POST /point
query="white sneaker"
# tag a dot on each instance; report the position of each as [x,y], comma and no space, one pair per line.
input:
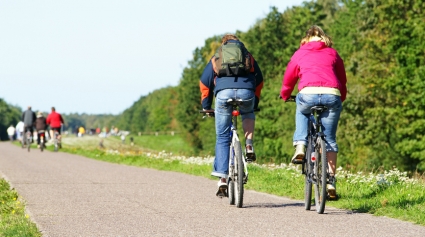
[222,188]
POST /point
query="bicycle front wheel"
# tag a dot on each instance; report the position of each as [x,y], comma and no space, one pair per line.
[307,172]
[239,173]
[320,169]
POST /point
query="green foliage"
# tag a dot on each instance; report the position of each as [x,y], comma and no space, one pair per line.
[13,220]
[151,113]
[9,115]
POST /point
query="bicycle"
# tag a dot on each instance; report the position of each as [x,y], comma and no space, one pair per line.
[27,140]
[238,171]
[315,164]
[42,134]
[56,140]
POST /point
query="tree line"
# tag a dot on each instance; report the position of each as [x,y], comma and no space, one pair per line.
[383,47]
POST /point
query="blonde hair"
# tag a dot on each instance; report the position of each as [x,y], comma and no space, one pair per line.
[316,32]
[228,37]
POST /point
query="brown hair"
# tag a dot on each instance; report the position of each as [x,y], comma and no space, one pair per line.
[228,37]
[316,31]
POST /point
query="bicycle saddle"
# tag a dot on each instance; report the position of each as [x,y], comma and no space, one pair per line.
[319,108]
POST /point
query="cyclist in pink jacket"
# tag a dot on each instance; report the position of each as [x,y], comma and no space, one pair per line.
[322,81]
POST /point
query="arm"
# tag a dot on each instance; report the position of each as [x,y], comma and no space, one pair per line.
[259,82]
[290,78]
[206,86]
[342,77]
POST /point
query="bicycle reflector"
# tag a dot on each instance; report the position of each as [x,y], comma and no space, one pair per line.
[313,156]
[235,113]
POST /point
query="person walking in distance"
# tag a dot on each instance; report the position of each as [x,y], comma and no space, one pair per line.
[242,80]
[322,81]
[11,132]
[28,117]
[55,121]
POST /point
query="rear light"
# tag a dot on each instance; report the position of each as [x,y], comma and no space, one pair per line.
[235,113]
[313,156]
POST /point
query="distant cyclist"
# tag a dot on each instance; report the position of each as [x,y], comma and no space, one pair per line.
[28,117]
[40,126]
[55,121]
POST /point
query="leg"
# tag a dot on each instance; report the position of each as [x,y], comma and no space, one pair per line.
[331,155]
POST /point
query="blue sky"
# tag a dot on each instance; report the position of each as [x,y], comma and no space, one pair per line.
[100,56]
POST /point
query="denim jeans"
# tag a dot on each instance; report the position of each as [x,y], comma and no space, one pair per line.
[329,118]
[223,118]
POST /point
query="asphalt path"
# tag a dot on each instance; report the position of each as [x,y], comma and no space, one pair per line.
[70,195]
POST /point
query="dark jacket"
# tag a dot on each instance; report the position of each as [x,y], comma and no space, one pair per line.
[40,123]
[210,84]
[28,117]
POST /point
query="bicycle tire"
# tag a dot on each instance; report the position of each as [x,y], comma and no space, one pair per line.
[321,175]
[56,144]
[29,143]
[239,189]
[307,172]
[231,180]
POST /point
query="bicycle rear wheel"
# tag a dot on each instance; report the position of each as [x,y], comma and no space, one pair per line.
[239,173]
[307,172]
[320,169]
[231,179]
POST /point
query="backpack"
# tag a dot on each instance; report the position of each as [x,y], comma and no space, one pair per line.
[233,59]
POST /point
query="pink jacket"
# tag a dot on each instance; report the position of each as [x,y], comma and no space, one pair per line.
[315,65]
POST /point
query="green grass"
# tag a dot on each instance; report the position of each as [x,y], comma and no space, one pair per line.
[14,221]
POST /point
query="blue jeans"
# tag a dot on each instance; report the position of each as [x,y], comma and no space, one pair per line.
[223,118]
[329,118]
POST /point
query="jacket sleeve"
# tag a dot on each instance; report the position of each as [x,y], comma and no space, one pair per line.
[290,79]
[61,118]
[206,86]
[259,82]
[342,77]
[23,116]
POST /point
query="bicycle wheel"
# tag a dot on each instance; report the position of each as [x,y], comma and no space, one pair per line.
[231,179]
[320,169]
[239,173]
[56,144]
[28,143]
[307,173]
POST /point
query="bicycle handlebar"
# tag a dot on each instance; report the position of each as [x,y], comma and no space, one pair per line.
[291,98]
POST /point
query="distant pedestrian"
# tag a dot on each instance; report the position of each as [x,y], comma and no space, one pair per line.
[19,130]
[11,132]
[123,138]
[131,141]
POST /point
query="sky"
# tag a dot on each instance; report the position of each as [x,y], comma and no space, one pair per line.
[101,56]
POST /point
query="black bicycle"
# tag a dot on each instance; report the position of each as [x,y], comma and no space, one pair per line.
[315,164]
[238,171]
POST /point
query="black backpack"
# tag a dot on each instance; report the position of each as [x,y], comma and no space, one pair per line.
[232,59]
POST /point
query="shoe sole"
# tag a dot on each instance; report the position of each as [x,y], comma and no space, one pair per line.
[299,159]
[250,157]
[222,191]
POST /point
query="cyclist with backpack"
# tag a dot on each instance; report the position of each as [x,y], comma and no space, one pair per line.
[322,81]
[231,73]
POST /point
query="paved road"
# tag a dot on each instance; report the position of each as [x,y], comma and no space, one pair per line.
[69,195]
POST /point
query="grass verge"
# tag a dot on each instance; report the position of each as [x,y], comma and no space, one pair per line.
[14,221]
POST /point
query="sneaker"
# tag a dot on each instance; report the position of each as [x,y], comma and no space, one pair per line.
[250,154]
[331,191]
[222,188]
[299,154]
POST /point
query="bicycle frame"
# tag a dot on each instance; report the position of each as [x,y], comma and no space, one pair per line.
[235,138]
